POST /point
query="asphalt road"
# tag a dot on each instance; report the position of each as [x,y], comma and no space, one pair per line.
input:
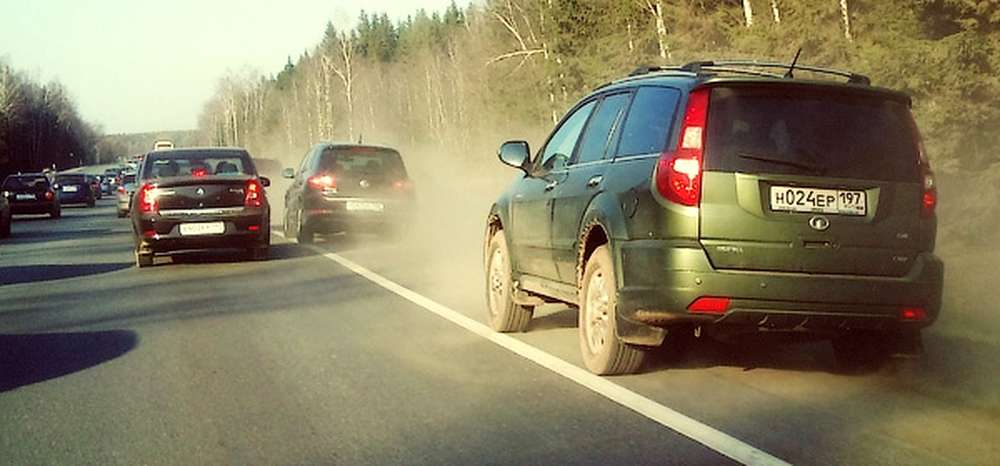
[204,359]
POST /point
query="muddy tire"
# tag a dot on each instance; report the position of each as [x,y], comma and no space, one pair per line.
[143,260]
[303,232]
[603,352]
[504,314]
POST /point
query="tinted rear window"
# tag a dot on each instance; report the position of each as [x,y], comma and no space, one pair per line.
[810,132]
[198,164]
[362,161]
[70,179]
[26,182]
[648,124]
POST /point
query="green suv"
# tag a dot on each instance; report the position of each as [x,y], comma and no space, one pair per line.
[722,198]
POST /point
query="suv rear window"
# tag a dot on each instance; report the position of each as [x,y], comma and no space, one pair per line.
[362,161]
[802,131]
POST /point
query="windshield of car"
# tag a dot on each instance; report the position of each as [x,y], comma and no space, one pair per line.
[362,161]
[197,164]
[786,130]
[28,183]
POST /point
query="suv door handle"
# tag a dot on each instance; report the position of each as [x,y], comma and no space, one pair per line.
[552,185]
[594,181]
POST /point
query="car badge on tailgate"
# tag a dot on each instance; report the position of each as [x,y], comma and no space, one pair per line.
[366,184]
[819,223]
[200,191]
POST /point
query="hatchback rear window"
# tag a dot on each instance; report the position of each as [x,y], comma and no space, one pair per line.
[801,131]
[362,161]
[66,179]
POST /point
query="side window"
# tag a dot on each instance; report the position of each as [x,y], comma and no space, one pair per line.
[648,124]
[304,164]
[563,141]
[594,143]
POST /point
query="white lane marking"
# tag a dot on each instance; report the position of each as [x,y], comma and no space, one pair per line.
[712,438]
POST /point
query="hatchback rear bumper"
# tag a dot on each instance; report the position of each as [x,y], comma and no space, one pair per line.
[332,215]
[660,279]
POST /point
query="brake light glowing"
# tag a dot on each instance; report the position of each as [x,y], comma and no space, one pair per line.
[49,195]
[199,172]
[929,199]
[402,184]
[147,199]
[254,193]
[323,183]
[121,190]
[913,314]
[253,228]
[678,173]
[709,305]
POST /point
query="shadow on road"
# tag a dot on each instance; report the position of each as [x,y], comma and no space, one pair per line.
[40,273]
[280,251]
[32,358]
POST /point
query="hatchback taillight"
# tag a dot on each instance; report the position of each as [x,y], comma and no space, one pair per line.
[147,199]
[326,183]
[49,195]
[678,173]
[254,196]
[121,190]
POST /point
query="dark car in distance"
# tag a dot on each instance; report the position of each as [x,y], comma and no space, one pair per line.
[720,199]
[75,189]
[6,217]
[347,188]
[198,199]
[31,193]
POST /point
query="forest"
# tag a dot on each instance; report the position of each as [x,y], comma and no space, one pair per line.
[40,126]
[469,76]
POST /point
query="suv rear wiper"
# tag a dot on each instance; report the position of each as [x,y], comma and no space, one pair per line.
[815,169]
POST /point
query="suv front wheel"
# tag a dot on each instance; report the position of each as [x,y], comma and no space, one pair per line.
[505,314]
[603,352]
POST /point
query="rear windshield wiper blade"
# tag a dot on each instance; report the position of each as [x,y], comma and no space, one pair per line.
[816,169]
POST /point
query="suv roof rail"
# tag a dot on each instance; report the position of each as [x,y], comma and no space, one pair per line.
[747,67]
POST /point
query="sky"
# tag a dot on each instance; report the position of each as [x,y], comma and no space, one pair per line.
[140,65]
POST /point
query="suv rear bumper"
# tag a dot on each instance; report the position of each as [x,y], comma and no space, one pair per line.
[660,279]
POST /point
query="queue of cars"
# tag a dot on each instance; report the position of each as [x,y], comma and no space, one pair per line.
[714,198]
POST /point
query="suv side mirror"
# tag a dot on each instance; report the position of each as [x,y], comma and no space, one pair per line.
[265,181]
[516,154]
[288,173]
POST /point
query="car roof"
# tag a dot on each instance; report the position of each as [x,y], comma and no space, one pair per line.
[687,80]
[187,151]
[334,144]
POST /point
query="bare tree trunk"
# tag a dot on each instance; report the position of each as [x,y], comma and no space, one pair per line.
[748,13]
[846,14]
[656,10]
[775,12]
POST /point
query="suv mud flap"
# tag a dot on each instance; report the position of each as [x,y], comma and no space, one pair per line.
[635,333]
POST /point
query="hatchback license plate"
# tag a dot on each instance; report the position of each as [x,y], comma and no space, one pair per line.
[70,188]
[198,229]
[362,206]
[25,197]
[815,200]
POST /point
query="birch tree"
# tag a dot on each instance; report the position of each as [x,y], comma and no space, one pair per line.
[748,13]
[846,15]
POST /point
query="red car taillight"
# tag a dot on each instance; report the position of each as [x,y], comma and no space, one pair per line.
[929,198]
[678,173]
[147,199]
[709,305]
[49,195]
[121,190]
[323,183]
[254,193]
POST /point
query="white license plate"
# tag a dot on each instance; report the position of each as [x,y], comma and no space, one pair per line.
[198,229]
[823,201]
[25,197]
[362,206]
[70,188]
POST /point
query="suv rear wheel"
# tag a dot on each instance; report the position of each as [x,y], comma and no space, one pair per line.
[505,314]
[603,352]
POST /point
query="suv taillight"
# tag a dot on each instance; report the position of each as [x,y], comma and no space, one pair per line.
[147,199]
[325,183]
[254,193]
[678,173]
[929,199]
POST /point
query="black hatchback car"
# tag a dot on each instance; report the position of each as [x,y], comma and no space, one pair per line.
[347,187]
[31,193]
[720,199]
[198,199]
[75,189]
